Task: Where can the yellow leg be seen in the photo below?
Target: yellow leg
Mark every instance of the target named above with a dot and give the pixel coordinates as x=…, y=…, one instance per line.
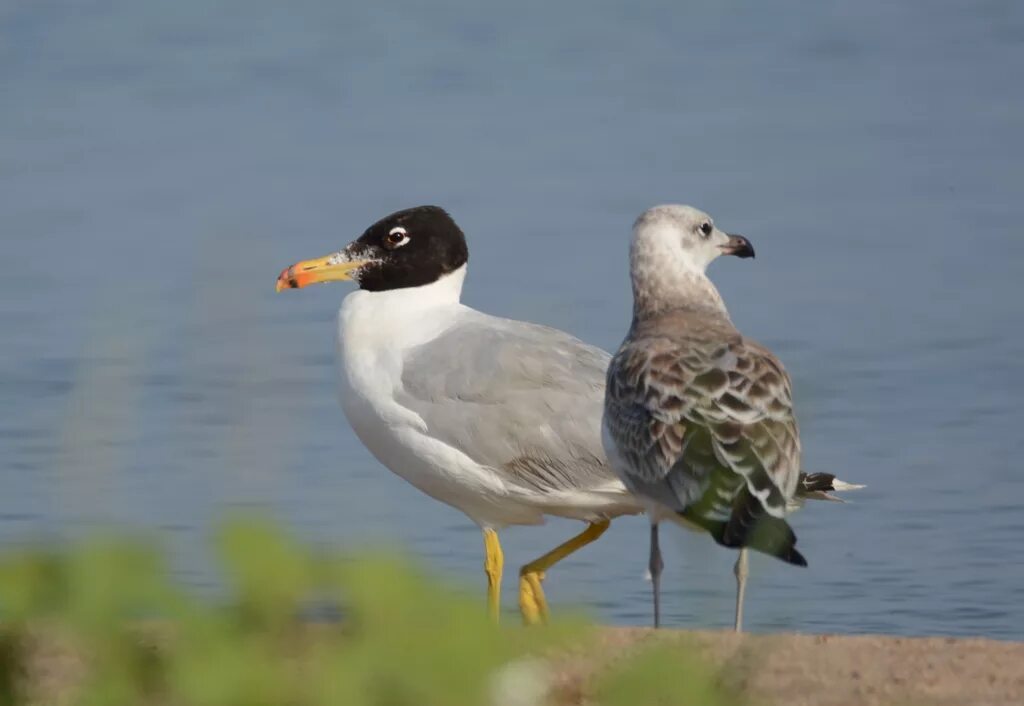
x=532, y=603
x=494, y=560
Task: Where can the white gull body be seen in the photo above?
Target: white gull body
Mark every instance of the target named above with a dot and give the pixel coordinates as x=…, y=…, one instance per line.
x=384, y=336
x=497, y=418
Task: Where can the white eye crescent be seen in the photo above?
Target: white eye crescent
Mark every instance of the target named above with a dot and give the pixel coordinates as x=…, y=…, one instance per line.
x=397, y=237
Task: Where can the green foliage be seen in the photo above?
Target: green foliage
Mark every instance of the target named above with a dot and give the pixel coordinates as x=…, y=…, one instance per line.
x=102, y=624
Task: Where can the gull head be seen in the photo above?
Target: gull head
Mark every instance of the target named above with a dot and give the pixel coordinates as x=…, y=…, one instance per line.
x=683, y=238
x=672, y=247
x=409, y=248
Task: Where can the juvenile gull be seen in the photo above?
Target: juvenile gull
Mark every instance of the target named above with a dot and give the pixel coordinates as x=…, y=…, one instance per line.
x=500, y=419
x=698, y=419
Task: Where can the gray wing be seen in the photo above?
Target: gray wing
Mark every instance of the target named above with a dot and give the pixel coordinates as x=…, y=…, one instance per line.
x=517, y=397
x=698, y=419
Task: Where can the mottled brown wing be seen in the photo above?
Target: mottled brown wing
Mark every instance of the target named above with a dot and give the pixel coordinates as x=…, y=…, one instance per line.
x=693, y=422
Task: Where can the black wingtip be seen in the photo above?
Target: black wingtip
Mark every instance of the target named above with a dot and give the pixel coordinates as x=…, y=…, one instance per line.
x=816, y=482
x=752, y=527
x=774, y=537
x=795, y=558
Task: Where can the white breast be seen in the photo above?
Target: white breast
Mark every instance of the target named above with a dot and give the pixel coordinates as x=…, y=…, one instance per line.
x=376, y=330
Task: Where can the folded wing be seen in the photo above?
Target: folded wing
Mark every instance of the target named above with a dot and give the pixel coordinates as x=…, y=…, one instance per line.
x=703, y=422
x=520, y=398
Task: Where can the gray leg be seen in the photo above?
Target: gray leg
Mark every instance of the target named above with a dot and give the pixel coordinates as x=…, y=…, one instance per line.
x=741, y=586
x=655, y=565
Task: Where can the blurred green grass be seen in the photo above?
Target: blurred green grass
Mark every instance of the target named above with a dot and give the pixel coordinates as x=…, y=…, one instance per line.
x=102, y=624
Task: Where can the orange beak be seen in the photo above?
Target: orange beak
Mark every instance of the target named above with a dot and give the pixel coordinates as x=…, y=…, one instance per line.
x=333, y=268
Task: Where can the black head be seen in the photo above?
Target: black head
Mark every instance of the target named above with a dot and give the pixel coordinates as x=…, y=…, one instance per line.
x=409, y=248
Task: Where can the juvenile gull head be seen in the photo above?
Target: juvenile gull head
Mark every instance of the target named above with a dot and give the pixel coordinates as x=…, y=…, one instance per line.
x=672, y=247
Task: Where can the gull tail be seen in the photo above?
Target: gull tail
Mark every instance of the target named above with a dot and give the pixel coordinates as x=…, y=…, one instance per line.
x=750, y=526
x=819, y=486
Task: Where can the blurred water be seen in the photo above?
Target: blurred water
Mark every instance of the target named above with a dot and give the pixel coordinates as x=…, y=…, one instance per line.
x=160, y=162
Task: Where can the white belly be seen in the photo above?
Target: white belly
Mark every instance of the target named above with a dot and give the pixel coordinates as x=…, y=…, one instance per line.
x=370, y=355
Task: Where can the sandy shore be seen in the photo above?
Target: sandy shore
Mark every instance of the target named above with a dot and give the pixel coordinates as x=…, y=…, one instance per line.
x=822, y=670
x=766, y=670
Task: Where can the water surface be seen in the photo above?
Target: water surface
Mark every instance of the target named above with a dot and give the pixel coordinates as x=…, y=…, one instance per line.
x=160, y=163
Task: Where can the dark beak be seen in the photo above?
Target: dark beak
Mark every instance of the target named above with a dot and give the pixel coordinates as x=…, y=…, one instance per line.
x=738, y=246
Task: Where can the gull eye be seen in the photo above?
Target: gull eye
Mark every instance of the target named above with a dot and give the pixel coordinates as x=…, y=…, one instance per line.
x=396, y=237
x=706, y=228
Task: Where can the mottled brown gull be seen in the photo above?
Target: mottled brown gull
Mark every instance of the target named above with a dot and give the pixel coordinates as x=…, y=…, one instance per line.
x=699, y=419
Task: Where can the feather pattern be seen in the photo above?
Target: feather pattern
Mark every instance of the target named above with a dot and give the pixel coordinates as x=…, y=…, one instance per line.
x=699, y=413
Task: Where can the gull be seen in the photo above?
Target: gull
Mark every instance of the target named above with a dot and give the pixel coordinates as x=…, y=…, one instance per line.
x=500, y=419
x=698, y=419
